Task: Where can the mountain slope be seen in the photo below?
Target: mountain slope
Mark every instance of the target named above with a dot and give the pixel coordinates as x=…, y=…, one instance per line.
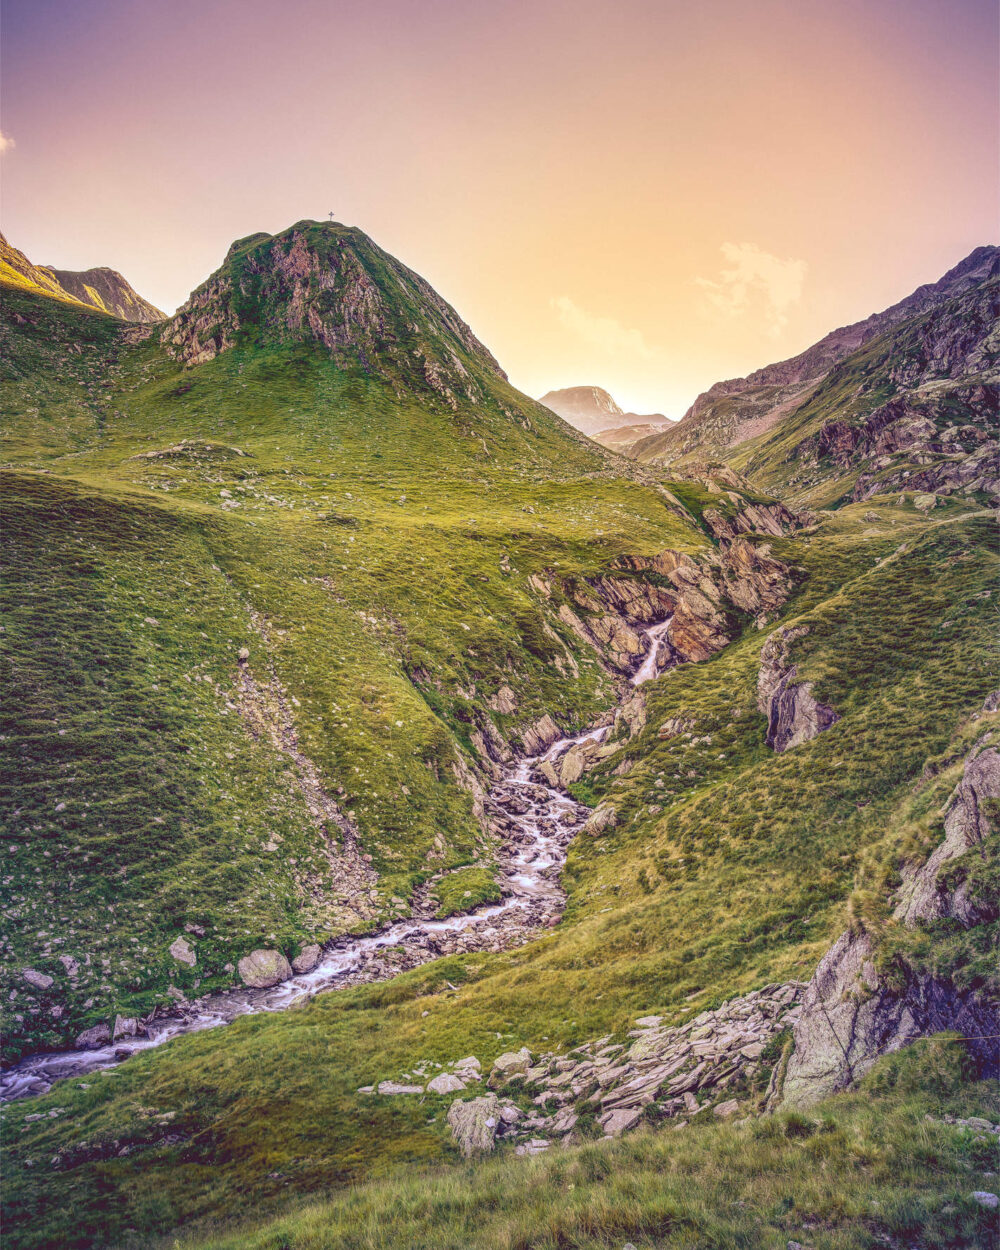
x=735, y=411
x=107, y=290
x=366, y=524
x=591, y=409
x=103, y=289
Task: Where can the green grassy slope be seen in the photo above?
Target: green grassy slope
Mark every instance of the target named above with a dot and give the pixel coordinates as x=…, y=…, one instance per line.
x=366, y=550
x=740, y=878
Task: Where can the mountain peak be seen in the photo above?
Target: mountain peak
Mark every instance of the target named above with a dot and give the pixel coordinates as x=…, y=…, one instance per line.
x=331, y=285
x=103, y=289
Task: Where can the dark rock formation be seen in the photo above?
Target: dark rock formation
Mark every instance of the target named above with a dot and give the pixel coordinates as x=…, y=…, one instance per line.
x=793, y=714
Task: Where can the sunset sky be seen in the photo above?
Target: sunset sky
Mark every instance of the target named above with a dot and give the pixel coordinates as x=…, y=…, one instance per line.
x=646, y=195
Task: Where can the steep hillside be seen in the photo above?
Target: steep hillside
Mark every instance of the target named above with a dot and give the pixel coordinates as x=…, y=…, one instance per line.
x=732, y=412
x=103, y=289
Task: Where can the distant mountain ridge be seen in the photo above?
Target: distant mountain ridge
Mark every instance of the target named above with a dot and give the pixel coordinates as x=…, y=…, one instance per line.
x=104, y=289
x=592, y=410
x=739, y=409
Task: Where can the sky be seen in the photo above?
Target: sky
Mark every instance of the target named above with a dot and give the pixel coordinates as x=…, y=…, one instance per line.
x=644, y=195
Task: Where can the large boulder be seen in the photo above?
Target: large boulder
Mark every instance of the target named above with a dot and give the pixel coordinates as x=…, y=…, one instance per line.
x=263, y=968
x=509, y=1065
x=92, y=1038
x=182, y=951
x=793, y=714
x=474, y=1123
x=307, y=958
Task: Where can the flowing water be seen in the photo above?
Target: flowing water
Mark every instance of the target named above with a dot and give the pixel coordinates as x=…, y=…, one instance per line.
x=540, y=822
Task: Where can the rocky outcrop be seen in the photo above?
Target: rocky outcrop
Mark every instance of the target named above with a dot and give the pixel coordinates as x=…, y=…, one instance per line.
x=851, y=1015
x=923, y=895
x=474, y=1123
x=793, y=714
x=772, y=519
x=331, y=285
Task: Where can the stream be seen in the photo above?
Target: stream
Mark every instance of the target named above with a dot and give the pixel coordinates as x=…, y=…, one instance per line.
x=539, y=822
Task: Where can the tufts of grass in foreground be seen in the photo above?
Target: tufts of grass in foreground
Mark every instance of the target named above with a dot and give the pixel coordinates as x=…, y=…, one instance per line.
x=874, y=1168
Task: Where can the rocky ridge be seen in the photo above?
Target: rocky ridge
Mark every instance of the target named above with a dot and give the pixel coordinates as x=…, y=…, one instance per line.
x=332, y=286
x=793, y=713
x=665, y=1073
x=852, y=1012
x=739, y=409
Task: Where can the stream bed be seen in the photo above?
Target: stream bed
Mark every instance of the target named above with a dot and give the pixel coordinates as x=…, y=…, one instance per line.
x=539, y=823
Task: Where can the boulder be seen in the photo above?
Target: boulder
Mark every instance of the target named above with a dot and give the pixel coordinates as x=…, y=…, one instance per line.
x=38, y=979
x=263, y=968
x=395, y=1087
x=621, y=1120
x=474, y=1123
x=124, y=1026
x=92, y=1038
x=182, y=951
x=307, y=958
x=446, y=1083
x=509, y=1065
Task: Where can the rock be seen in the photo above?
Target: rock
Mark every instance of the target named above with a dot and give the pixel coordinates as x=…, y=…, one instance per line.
x=124, y=1026
x=540, y=735
x=603, y=817
x=243, y=654
x=446, y=1083
x=390, y=1088
x=727, y=1108
x=38, y=979
x=504, y=701
x=263, y=968
x=849, y=1016
x=966, y=824
x=793, y=714
x=474, y=1123
x=71, y=965
x=92, y=1038
x=469, y=1063
x=564, y=1121
x=987, y=1200
x=509, y=1065
x=620, y=1120
x=307, y=958
x=182, y=951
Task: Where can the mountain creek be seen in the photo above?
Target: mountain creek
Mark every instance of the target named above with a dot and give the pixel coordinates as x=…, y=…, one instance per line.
x=542, y=821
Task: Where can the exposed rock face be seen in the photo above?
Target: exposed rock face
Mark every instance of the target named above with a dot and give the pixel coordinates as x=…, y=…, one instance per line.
x=103, y=289
x=263, y=968
x=742, y=408
x=474, y=1123
x=107, y=290
x=510, y=1065
x=850, y=1016
x=922, y=896
x=793, y=714
x=333, y=286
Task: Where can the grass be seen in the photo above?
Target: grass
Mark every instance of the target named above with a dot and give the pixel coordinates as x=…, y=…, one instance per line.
x=374, y=555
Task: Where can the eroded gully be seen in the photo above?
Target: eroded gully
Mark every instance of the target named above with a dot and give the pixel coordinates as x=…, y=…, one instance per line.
x=539, y=823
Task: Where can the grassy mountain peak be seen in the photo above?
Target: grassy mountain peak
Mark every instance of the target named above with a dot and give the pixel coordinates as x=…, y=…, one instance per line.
x=330, y=284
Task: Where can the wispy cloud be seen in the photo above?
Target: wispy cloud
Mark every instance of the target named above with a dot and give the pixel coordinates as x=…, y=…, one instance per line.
x=757, y=283
x=6, y=142
x=605, y=333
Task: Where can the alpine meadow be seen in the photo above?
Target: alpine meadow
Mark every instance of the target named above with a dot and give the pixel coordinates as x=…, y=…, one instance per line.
x=440, y=819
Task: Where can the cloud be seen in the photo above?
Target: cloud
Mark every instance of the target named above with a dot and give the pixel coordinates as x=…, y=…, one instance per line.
x=757, y=283
x=602, y=332
x=6, y=142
